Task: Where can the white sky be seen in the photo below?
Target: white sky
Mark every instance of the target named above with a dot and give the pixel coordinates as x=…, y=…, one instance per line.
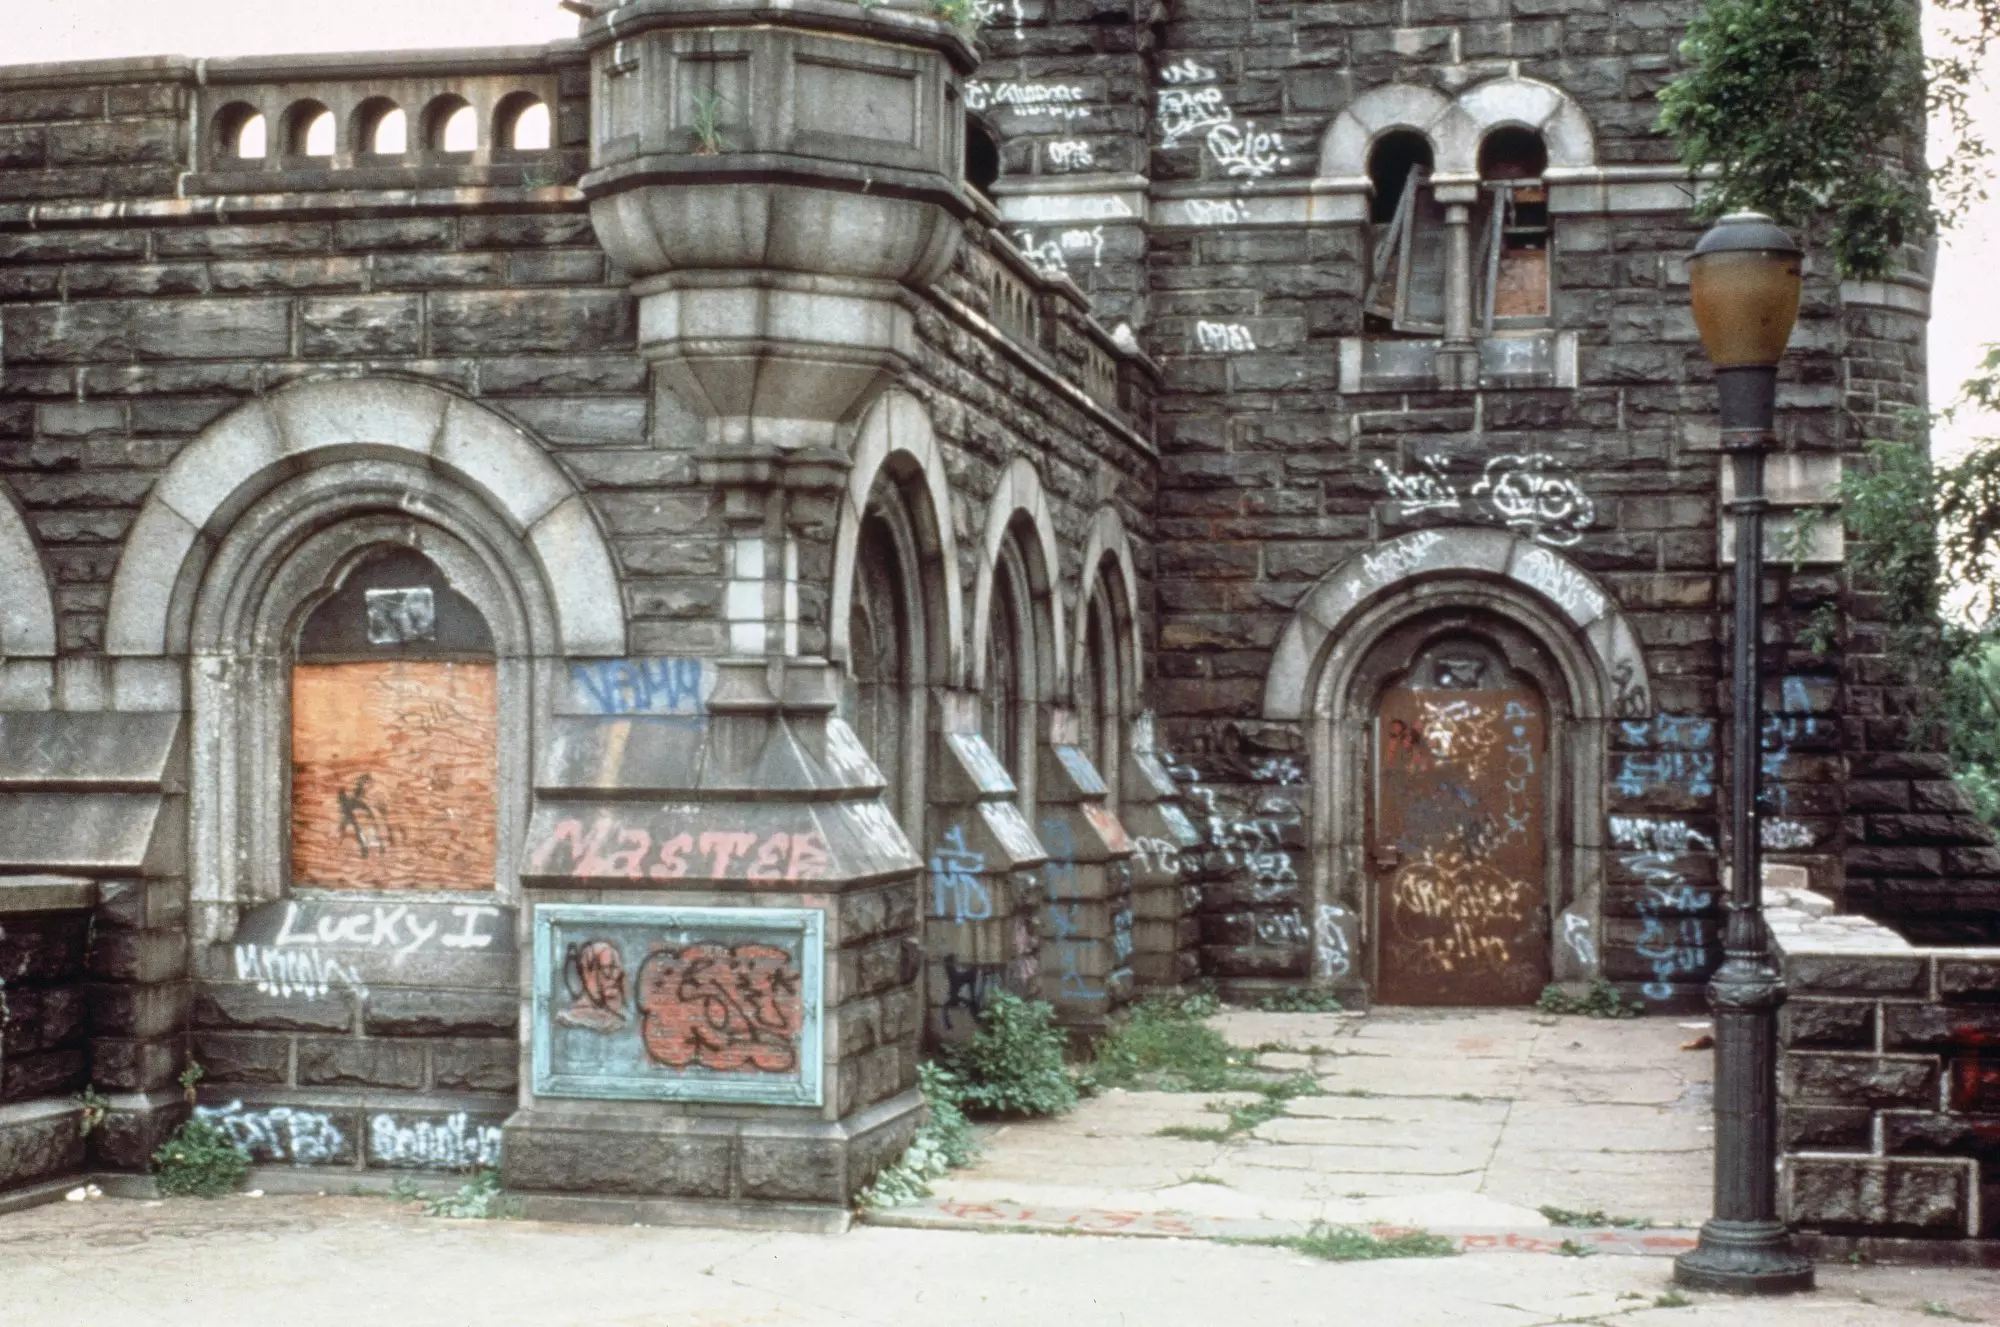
x=1964, y=316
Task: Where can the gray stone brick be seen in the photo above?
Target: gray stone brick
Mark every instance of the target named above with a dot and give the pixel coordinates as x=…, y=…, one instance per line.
x=369, y=1062
x=1871, y=1080
x=475, y=1066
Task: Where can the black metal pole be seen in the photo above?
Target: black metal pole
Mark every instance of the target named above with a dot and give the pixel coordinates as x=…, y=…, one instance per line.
x=1745, y=1249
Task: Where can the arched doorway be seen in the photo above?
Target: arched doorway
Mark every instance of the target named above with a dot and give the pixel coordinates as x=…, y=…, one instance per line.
x=1458, y=829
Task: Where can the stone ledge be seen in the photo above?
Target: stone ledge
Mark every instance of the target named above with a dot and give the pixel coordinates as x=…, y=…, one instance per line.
x=46, y=893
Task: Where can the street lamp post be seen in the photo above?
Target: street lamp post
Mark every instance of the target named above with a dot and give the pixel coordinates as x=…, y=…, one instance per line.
x=1746, y=275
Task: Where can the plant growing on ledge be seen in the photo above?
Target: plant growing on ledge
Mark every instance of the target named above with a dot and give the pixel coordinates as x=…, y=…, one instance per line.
x=707, y=122
x=1013, y=1064
x=200, y=1161
x=94, y=1106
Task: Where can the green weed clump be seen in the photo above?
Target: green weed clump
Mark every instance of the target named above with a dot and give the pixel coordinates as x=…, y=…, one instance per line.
x=1013, y=1063
x=1347, y=1244
x=1591, y=1217
x=943, y=1143
x=1301, y=1000
x=1166, y=1047
x=479, y=1199
x=201, y=1160
x=1600, y=1001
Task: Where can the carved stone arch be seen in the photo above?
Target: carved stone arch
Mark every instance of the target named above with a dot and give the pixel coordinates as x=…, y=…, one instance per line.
x=1019, y=503
x=895, y=442
x=292, y=548
x=1108, y=539
x=1405, y=563
x=1343, y=152
x=27, y=609
x=256, y=447
x=1520, y=103
x=1550, y=617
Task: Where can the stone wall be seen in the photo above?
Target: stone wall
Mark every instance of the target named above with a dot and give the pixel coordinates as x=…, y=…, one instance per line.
x=1890, y=1083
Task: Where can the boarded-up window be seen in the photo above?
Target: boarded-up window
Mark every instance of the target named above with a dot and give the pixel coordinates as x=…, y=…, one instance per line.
x=1406, y=282
x=1514, y=254
x=395, y=725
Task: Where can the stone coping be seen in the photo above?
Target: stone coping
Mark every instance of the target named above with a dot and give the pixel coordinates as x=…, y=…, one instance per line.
x=1803, y=922
x=21, y=894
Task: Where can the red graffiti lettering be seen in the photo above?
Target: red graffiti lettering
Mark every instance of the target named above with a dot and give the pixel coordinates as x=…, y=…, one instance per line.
x=633, y=845
x=770, y=858
x=726, y=1009
x=723, y=847
x=810, y=857
x=673, y=858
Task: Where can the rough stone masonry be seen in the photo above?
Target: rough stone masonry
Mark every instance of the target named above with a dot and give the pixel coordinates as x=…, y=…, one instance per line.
x=581, y=606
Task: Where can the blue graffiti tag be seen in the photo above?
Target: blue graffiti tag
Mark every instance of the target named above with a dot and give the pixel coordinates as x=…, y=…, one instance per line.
x=642, y=686
x=956, y=891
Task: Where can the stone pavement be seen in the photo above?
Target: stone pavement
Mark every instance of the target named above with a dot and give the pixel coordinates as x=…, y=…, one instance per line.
x=1455, y=1121
x=1459, y=1123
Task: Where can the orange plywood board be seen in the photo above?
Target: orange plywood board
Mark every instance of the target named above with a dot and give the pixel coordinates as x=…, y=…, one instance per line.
x=393, y=772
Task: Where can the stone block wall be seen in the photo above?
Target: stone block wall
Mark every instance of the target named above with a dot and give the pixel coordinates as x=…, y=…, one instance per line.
x=1890, y=1083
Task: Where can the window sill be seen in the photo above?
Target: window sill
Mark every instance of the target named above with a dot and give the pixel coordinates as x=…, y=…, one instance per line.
x=1508, y=360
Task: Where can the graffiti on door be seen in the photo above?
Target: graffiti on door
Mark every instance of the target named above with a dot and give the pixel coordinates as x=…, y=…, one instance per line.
x=1458, y=834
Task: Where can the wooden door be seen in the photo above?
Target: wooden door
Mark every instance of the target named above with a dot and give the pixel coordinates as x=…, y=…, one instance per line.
x=1458, y=835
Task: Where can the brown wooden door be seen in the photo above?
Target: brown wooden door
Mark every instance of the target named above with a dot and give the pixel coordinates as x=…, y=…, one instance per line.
x=1458, y=834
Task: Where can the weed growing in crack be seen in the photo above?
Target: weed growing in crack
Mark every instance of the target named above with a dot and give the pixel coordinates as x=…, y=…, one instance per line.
x=201, y=1160
x=1301, y=1000
x=1602, y=1000
x=1347, y=1244
x=1569, y=1248
x=1673, y=1299
x=1594, y=1217
x=479, y=1199
x=943, y=1143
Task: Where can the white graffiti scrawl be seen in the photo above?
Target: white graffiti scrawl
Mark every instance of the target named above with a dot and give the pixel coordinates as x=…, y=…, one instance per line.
x=1191, y=104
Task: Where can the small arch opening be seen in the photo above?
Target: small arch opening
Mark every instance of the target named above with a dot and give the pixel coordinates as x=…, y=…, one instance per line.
x=310, y=130
x=381, y=128
x=1390, y=163
x=982, y=157
x=451, y=126
x=240, y=133
x=522, y=124
x=1515, y=228
x=1513, y=154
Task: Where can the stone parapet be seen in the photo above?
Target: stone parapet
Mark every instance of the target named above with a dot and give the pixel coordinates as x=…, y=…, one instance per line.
x=1889, y=1083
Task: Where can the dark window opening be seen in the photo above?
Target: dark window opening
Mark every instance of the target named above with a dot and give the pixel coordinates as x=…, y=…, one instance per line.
x=1406, y=286
x=982, y=158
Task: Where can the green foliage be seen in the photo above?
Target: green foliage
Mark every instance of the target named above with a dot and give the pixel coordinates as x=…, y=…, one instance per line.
x=479, y=1199
x=1592, y=1217
x=961, y=14
x=95, y=1107
x=1601, y=1001
x=943, y=1143
x=707, y=122
x=1922, y=532
x=1301, y=1000
x=1799, y=105
x=190, y=1077
x=1346, y=1244
x=1672, y=1299
x=1167, y=1048
x=1013, y=1063
x=201, y=1160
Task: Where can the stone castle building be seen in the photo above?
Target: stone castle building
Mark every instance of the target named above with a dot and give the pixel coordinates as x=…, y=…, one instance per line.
x=573, y=608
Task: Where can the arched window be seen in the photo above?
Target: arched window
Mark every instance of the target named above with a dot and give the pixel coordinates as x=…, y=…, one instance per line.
x=1406, y=287
x=1104, y=676
x=394, y=733
x=1000, y=703
x=521, y=124
x=310, y=130
x=451, y=127
x=240, y=135
x=880, y=662
x=381, y=129
x=1514, y=257
x=1018, y=662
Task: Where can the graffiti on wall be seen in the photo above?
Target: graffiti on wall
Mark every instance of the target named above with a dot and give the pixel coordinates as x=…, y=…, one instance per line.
x=453, y=1141
x=1680, y=757
x=1529, y=492
x=1192, y=103
x=1671, y=938
x=293, y=1134
x=611, y=848
x=642, y=686
x=682, y=1004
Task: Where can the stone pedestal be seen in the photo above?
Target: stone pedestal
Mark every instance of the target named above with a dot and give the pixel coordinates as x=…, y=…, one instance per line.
x=720, y=963
x=1165, y=933
x=1087, y=949
x=983, y=890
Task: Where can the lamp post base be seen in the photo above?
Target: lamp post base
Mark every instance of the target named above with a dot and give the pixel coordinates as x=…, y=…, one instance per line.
x=1744, y=1258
